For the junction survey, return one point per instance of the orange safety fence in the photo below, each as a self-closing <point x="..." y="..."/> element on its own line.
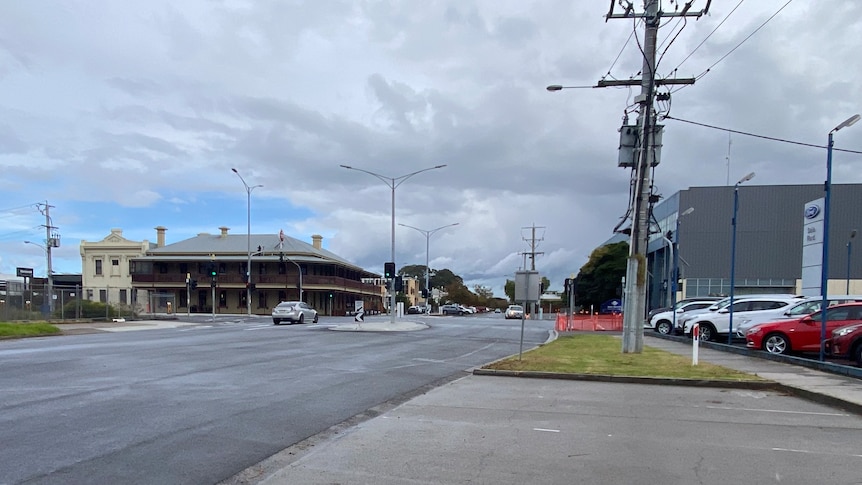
<point x="589" y="323"/>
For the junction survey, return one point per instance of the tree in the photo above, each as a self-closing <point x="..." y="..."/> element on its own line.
<point x="444" y="278"/>
<point x="600" y="278"/>
<point x="413" y="270"/>
<point x="483" y="292"/>
<point x="509" y="288"/>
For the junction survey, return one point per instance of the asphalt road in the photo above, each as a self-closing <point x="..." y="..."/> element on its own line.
<point x="199" y="404"/>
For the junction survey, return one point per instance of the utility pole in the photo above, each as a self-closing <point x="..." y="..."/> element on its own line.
<point x="634" y="298"/>
<point x="533" y="241"/>
<point x="52" y="240"/>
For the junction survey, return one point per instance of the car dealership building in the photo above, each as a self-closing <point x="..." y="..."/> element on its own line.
<point x="692" y="231"/>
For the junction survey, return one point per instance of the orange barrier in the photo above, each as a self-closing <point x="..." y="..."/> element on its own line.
<point x="589" y="323"/>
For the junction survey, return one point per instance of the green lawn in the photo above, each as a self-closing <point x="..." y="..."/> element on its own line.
<point x="11" y="330"/>
<point x="600" y="354"/>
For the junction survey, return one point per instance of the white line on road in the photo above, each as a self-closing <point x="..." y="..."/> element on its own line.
<point x="812" y="452"/>
<point x="547" y="430"/>
<point x="774" y="411"/>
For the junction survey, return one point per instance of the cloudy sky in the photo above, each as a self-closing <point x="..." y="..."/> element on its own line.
<point x="131" y="115"/>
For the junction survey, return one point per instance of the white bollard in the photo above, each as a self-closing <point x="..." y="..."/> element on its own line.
<point x="695" y="342"/>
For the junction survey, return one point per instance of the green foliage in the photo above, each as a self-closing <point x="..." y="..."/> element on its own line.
<point x="414" y="270"/>
<point x="600" y="354"/>
<point x="27" y="329"/>
<point x="89" y="309"/>
<point x="509" y="288"/>
<point x="600" y="278"/>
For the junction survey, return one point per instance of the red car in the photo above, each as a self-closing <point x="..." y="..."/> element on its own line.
<point x="846" y="343"/>
<point x="801" y="334"/>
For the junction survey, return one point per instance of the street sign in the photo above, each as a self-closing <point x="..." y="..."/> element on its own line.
<point x="25" y="272"/>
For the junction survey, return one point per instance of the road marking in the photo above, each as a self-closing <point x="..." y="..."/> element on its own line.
<point x="774" y="411"/>
<point x="259" y="327"/>
<point x="433" y="361"/>
<point x="812" y="452"/>
<point x="547" y="430"/>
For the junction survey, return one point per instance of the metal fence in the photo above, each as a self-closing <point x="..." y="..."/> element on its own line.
<point x="66" y="303"/>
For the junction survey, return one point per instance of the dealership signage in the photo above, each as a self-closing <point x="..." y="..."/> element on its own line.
<point x="812" y="247"/>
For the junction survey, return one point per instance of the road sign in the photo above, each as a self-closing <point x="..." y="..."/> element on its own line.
<point x="25" y="272"/>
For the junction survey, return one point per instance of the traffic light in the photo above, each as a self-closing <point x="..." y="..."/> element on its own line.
<point x="424" y="293"/>
<point x="399" y="283"/>
<point x="389" y="269"/>
<point x="567" y="285"/>
<point x="194" y="284"/>
<point x="330" y="295"/>
<point x="213" y="270"/>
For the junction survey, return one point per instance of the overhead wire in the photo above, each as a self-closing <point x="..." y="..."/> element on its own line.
<point x="755" y="135"/>
<point x="708" y="36"/>
<point x="704" y="73"/>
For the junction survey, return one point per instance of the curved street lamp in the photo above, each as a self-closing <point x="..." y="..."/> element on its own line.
<point x="427" y="234"/>
<point x="824" y="275"/>
<point x="248" y="242"/>
<point x="733" y="254"/>
<point x="392" y="183"/>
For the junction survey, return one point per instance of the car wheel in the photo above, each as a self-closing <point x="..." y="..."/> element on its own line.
<point x="776" y="344"/>
<point x="301" y="319"/>
<point x="315" y="318"/>
<point x="707" y="332"/>
<point x="275" y="321"/>
<point x="857" y="354"/>
<point x="663" y="327"/>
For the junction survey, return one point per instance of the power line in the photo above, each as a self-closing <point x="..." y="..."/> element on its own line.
<point x="772" y="138"/>
<point x="704" y="73"/>
<point x="708" y="36"/>
<point x="620" y="52"/>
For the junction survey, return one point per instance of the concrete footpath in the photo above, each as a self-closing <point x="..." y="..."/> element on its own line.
<point x="493" y="429"/>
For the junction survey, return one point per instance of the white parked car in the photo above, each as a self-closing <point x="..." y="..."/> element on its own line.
<point x="663" y="322"/>
<point x="713" y="324"/>
<point x="684" y="319"/>
<point x="293" y="312"/>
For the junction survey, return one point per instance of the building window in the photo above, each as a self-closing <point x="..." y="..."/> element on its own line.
<point x="222" y="299"/>
<point x="282" y="268"/>
<point x="115" y="262"/>
<point x="103" y="296"/>
<point x="184" y="267"/>
<point x="261" y="269"/>
<point x="123" y="296"/>
<point x="261" y="300"/>
<point x="98" y="266"/>
<point x="282" y="295"/>
<point x="183" y="298"/>
<point x="163" y="268"/>
<point x="242" y="299"/>
<point x="222" y="268"/>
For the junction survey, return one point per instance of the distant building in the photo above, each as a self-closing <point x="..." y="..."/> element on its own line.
<point x="106" y="269"/>
<point x="167" y="273"/>
<point x="769" y="237"/>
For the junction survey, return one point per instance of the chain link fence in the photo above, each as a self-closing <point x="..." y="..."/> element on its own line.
<point x="67" y="303"/>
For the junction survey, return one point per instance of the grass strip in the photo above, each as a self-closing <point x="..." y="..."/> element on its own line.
<point x="11" y="330"/>
<point x="600" y="354"/>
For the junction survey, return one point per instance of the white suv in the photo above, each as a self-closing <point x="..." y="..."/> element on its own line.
<point x="663" y="322"/>
<point x="717" y="322"/>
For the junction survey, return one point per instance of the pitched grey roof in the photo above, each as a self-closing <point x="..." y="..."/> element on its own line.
<point x="236" y="245"/>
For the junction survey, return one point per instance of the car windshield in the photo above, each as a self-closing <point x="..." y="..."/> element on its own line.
<point x="288" y="303"/>
<point x="516" y="308"/>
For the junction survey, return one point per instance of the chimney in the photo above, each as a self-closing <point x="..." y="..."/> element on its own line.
<point x="224" y="231"/>
<point x="317" y="241"/>
<point x="117" y="231"/>
<point x="160" y="236"/>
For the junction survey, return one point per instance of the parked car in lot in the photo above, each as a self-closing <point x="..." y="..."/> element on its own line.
<point x="515" y="311"/>
<point x="801" y="334"/>
<point x="799" y="310"/>
<point x="683" y="322"/>
<point x="717" y="323"/>
<point x="293" y="312"/>
<point x="846" y="343"/>
<point x="451" y="309"/>
<point x="414" y="310"/>
<point x="663" y="322"/>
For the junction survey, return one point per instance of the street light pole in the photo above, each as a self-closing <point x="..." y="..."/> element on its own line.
<point x="50" y="287"/>
<point x="824" y="275"/>
<point x="849" y="247"/>
<point x="427" y="235"/>
<point x="392" y="183"/>
<point x="675" y="271"/>
<point x="247" y="241"/>
<point x="733" y="254"/>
